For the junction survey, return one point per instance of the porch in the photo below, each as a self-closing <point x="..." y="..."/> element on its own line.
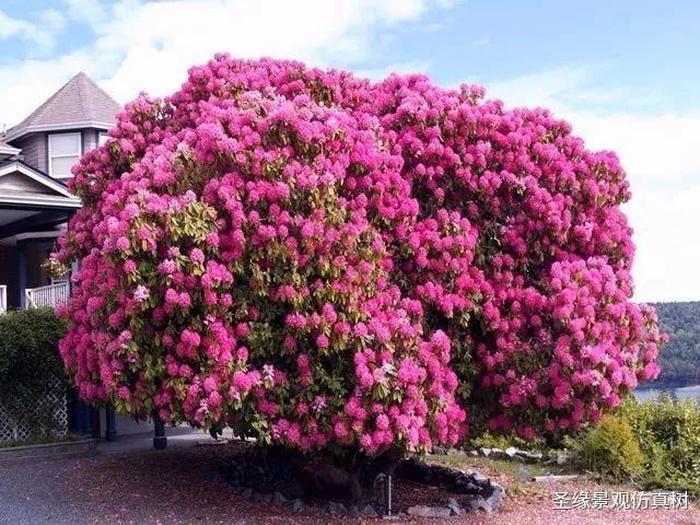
<point x="50" y="295"/>
<point x="23" y="281"/>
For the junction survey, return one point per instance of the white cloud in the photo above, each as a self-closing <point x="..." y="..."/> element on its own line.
<point x="50" y="24"/>
<point x="27" y="84"/>
<point x="10" y="27"/>
<point x="42" y="33"/>
<point x="665" y="225"/>
<point x="149" y="45"/>
<point x="91" y="12"/>
<point x="660" y="154"/>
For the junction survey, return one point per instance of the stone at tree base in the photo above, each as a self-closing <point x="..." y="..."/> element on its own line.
<point x="529" y="457"/>
<point x="524" y="474"/>
<point x="510" y="453"/>
<point x="337" y="509"/>
<point x="495" y="500"/>
<point x="560" y="477"/>
<point x="261" y="497"/>
<point x="488" y="504"/>
<point x="426" y="511"/>
<point x="278" y="498"/>
<point x="369" y="511"/>
<point x="297" y="505"/>
<point x="475" y="503"/>
<point x="480" y="478"/>
<point x="563" y="457"/>
<point x="498" y="453"/>
<point x="455" y="507"/>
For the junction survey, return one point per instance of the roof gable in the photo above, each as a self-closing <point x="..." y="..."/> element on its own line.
<point x="22" y="185"/>
<point x="79" y="103"/>
<point x="7" y="151"/>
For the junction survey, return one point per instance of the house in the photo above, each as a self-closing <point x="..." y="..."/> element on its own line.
<point x="36" y="157"/>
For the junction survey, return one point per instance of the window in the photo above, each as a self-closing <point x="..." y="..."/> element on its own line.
<point x="64" y="151"/>
<point x="102" y="138"/>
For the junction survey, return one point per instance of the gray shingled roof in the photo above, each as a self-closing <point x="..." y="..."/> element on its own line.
<point x="79" y="103"/>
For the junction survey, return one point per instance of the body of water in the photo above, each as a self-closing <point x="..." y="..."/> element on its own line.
<point x="686" y="392"/>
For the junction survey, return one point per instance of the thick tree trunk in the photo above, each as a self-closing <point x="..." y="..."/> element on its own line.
<point x="352" y="477"/>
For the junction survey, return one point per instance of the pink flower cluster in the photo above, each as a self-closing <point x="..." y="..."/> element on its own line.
<point x="320" y="259"/>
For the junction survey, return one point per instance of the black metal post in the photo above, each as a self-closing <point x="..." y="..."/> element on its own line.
<point x="95" y="422"/>
<point x="387" y="495"/>
<point x="159" y="440"/>
<point x="111" y="426"/>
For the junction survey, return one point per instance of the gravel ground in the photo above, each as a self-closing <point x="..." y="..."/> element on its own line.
<point x="182" y="485"/>
<point x="38" y="492"/>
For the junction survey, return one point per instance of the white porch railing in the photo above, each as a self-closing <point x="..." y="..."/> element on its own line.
<point x="50" y="295"/>
<point x="3" y="298"/>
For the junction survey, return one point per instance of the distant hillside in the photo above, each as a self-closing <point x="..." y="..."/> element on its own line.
<point x="680" y="358"/>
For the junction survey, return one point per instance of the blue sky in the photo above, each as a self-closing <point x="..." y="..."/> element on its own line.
<point x="625" y="73"/>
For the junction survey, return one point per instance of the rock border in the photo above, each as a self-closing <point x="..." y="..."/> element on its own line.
<point x="469" y="492"/>
<point x="560" y="457"/>
<point x="298" y="505"/>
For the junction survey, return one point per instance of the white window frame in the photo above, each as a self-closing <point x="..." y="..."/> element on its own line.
<point x="101" y="134"/>
<point x="80" y="151"/>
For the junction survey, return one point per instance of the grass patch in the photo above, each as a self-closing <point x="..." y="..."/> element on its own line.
<point x="501" y="466"/>
<point x="42" y="440"/>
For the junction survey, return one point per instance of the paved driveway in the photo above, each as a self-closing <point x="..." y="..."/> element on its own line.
<point x="129" y="482"/>
<point x="37" y="492"/>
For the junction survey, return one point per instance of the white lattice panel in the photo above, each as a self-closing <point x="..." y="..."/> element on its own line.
<point x="34" y="423"/>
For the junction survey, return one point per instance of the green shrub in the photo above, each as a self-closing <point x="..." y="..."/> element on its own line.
<point x="610" y="448"/>
<point x="655" y="443"/>
<point x="669" y="435"/>
<point x="31" y="368"/>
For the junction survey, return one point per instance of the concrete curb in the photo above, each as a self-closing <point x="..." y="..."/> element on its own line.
<point x="47" y="450"/>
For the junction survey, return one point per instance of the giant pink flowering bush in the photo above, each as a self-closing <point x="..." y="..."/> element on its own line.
<point x="323" y="260"/>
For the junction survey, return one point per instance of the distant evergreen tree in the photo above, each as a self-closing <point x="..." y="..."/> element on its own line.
<point x="680" y="358"/>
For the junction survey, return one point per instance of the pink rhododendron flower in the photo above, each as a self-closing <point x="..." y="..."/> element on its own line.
<point x="334" y="257"/>
<point x="141" y="293"/>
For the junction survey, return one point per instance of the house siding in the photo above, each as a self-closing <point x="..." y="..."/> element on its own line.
<point x="21" y="184"/>
<point x="35" y="147"/>
<point x="34" y="150"/>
